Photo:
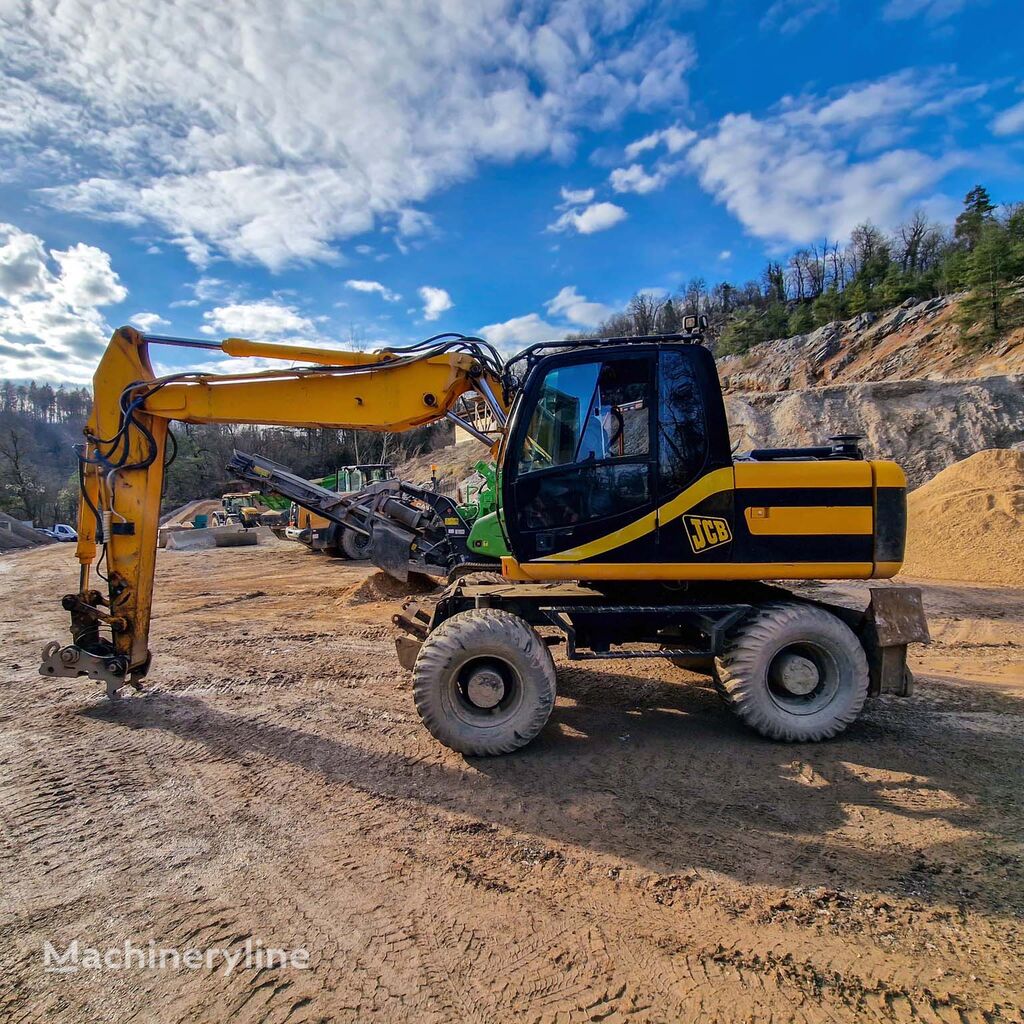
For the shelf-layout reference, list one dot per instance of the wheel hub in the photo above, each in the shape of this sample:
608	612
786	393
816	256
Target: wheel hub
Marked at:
795	674
485	688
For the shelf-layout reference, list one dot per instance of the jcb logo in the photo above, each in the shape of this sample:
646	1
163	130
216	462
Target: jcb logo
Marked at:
706	532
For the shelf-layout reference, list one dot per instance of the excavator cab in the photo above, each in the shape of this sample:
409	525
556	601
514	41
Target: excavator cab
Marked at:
600	440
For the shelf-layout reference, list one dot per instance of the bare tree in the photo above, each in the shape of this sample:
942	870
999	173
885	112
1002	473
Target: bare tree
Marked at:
643	310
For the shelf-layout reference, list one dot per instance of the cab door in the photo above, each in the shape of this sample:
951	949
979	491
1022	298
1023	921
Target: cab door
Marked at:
696	485
579	476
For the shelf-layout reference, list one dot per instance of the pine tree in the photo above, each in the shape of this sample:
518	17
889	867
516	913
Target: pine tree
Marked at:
829	305
801	320
978	209
858	300
993	305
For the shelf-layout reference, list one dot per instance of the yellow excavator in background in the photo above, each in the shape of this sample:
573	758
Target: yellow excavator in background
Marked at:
633	529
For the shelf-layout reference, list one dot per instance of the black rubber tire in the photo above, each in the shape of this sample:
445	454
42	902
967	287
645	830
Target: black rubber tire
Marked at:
743	673
491	635
355	545
460	572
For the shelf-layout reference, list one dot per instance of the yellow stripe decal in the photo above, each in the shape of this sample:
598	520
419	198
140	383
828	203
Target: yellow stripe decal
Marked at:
809	521
803	474
711	483
513	570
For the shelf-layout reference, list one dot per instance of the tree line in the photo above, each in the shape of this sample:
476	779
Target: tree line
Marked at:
39	467
981	253
45	403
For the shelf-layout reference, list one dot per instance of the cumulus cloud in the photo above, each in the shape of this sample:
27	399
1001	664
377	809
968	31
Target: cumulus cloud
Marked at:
575	308
258	320
576	197
435	302
674	138
635	178
569	310
250	155
50	321
520	331
1010	121
805	172
147	321
373	286
589	219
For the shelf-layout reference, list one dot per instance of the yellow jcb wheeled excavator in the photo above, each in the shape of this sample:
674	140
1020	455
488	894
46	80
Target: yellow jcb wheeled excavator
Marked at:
634	531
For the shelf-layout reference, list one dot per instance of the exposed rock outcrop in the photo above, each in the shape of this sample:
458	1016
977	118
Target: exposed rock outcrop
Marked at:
925	425
914	340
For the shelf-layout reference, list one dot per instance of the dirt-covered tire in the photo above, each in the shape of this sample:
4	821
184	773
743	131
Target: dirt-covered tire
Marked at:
355	545
765	678
482	579
505	659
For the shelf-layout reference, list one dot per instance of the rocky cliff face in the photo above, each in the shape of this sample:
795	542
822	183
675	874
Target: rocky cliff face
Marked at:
915	340
900	379
924	425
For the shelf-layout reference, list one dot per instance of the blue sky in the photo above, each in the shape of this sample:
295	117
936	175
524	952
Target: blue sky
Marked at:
385	171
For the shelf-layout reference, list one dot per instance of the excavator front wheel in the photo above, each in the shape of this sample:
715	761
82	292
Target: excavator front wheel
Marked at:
355	545
794	672
484	682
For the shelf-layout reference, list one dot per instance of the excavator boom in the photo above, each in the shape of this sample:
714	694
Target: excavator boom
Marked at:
123	459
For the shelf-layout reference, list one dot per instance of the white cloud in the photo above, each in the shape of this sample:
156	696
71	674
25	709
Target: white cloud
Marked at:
592	218
435	302
251	155
373	286
576	197
520	331
1010	121
635	178
871	101
934	10
575	308
725	254
147	321
208	289
791	15
256	320
802	174
574	311
50	323
674	138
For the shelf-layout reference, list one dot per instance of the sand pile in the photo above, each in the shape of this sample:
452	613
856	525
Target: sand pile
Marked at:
16	537
382	587
967	523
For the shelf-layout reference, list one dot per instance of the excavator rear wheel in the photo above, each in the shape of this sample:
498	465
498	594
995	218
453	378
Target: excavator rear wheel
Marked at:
794	672
484	682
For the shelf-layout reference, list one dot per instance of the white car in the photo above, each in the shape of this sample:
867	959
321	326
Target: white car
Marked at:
64	532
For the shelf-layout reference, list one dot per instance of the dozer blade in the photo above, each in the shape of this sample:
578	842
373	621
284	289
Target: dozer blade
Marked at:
391	548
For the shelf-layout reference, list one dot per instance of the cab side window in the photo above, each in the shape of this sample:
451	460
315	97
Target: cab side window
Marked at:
682	430
589	412
586	453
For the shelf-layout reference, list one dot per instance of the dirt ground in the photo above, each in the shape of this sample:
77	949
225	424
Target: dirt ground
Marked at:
647	859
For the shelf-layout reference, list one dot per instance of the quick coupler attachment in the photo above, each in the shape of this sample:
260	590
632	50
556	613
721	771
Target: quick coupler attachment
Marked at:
73	661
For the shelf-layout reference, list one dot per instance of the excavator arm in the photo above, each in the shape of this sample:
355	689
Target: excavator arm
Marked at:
123	460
